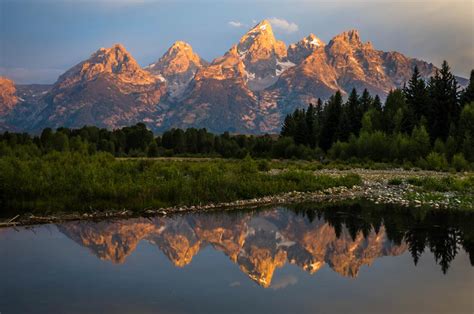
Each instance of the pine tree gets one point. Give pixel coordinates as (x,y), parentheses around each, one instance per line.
(468,93)
(416,95)
(354,112)
(345,126)
(319,121)
(365,101)
(311,123)
(301,131)
(332,114)
(377,103)
(289,126)
(444,102)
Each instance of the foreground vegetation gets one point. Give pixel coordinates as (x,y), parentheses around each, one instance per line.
(71,181)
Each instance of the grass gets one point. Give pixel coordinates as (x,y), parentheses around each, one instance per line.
(395,181)
(444,184)
(74,182)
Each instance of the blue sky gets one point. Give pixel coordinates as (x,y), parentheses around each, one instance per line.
(40,39)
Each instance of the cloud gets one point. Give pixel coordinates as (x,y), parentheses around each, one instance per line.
(236,24)
(234,284)
(284,25)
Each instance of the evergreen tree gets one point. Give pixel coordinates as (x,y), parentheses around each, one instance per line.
(311,123)
(345,125)
(445,107)
(302,131)
(332,114)
(354,112)
(467,95)
(289,126)
(377,103)
(417,100)
(365,101)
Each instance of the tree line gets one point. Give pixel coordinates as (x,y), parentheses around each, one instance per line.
(426,124)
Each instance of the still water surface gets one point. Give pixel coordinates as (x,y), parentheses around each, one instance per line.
(340,259)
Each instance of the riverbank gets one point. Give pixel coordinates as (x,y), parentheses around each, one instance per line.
(407,188)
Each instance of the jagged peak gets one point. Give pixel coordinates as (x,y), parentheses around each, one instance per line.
(351,36)
(261,32)
(309,41)
(262,26)
(117,49)
(299,51)
(260,43)
(115,60)
(313,40)
(180,45)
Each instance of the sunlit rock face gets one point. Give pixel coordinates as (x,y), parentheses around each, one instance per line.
(259,243)
(250,89)
(304,48)
(218,99)
(177,67)
(8,97)
(107,90)
(263,56)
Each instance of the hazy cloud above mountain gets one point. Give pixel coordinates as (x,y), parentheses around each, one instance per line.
(236,24)
(47,36)
(284,25)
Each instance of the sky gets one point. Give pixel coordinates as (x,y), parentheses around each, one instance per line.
(40,39)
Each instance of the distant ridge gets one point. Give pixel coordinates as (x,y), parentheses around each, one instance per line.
(248,90)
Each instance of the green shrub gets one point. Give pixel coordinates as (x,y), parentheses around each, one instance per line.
(263,165)
(459,163)
(436,161)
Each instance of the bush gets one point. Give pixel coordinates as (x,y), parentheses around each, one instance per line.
(263,165)
(436,161)
(460,163)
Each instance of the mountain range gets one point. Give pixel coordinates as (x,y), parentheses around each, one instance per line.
(249,89)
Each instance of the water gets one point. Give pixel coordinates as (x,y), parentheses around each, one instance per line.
(309,259)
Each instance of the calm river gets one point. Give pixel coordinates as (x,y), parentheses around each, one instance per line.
(306,259)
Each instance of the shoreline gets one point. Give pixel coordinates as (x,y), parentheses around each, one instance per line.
(375,188)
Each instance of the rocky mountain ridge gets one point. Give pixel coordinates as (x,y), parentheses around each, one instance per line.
(249,89)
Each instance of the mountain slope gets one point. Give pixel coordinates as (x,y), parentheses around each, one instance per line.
(8,97)
(218,98)
(107,90)
(177,66)
(262,55)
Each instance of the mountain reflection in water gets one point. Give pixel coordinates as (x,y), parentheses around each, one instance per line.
(259,242)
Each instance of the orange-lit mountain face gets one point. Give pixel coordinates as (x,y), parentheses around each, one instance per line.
(259,244)
(8,98)
(249,89)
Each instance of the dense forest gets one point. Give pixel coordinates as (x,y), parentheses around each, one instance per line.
(425,124)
